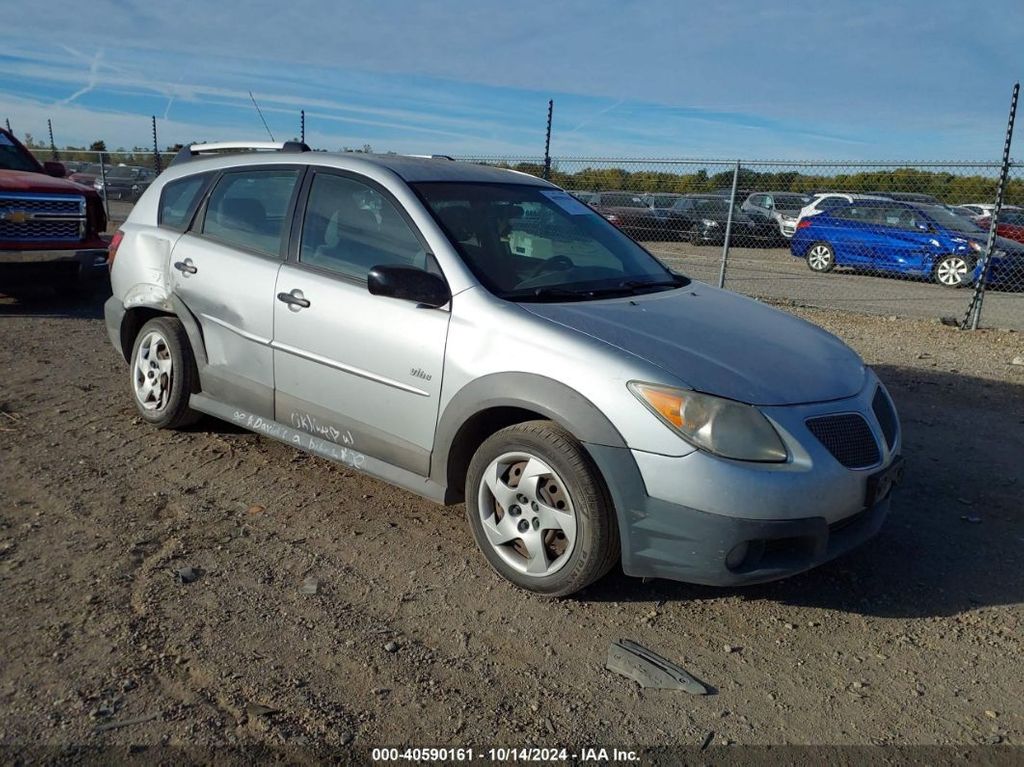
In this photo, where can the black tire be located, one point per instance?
(172, 411)
(596, 547)
(950, 267)
(820, 257)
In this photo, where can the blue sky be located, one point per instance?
(839, 79)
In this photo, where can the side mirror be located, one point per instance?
(55, 169)
(408, 284)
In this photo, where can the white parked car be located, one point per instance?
(980, 209)
(829, 200)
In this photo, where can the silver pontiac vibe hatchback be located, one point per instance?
(477, 334)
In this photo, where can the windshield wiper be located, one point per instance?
(625, 288)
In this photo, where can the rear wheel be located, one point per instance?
(163, 374)
(951, 271)
(539, 509)
(821, 257)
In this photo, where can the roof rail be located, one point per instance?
(195, 150)
(432, 157)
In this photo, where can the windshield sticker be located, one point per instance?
(567, 202)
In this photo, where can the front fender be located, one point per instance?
(547, 397)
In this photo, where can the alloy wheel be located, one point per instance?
(952, 271)
(819, 258)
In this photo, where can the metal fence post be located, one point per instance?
(53, 147)
(547, 142)
(103, 175)
(157, 165)
(973, 316)
(728, 224)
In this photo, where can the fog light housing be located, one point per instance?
(745, 556)
(735, 557)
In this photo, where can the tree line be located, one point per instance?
(949, 187)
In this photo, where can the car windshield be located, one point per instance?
(531, 243)
(943, 216)
(13, 158)
(663, 200)
(622, 201)
(789, 202)
(121, 172)
(714, 207)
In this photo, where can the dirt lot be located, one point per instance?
(916, 638)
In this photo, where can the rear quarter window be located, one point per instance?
(179, 199)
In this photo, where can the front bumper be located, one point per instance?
(702, 519)
(35, 266)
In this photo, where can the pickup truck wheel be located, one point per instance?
(539, 510)
(163, 374)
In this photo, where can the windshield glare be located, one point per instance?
(536, 243)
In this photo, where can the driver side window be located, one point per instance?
(350, 227)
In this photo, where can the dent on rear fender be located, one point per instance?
(146, 273)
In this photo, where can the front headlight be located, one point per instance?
(720, 426)
(709, 223)
(977, 247)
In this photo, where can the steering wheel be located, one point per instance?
(553, 264)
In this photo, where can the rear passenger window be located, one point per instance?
(350, 228)
(178, 199)
(247, 209)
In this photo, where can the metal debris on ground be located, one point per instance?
(186, 574)
(310, 586)
(258, 709)
(648, 669)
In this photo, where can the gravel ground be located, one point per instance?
(324, 608)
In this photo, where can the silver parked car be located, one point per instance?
(476, 334)
(781, 207)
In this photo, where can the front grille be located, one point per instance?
(60, 205)
(40, 230)
(886, 416)
(35, 218)
(848, 438)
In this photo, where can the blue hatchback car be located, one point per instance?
(901, 238)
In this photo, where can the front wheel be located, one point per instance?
(163, 374)
(821, 257)
(539, 510)
(951, 271)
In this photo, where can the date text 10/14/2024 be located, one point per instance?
(504, 754)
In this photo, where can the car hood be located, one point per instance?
(721, 343)
(25, 181)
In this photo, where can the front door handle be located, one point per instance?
(186, 266)
(294, 299)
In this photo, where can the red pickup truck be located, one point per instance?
(49, 227)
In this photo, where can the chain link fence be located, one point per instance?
(901, 239)
(882, 238)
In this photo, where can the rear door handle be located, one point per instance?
(186, 266)
(294, 299)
